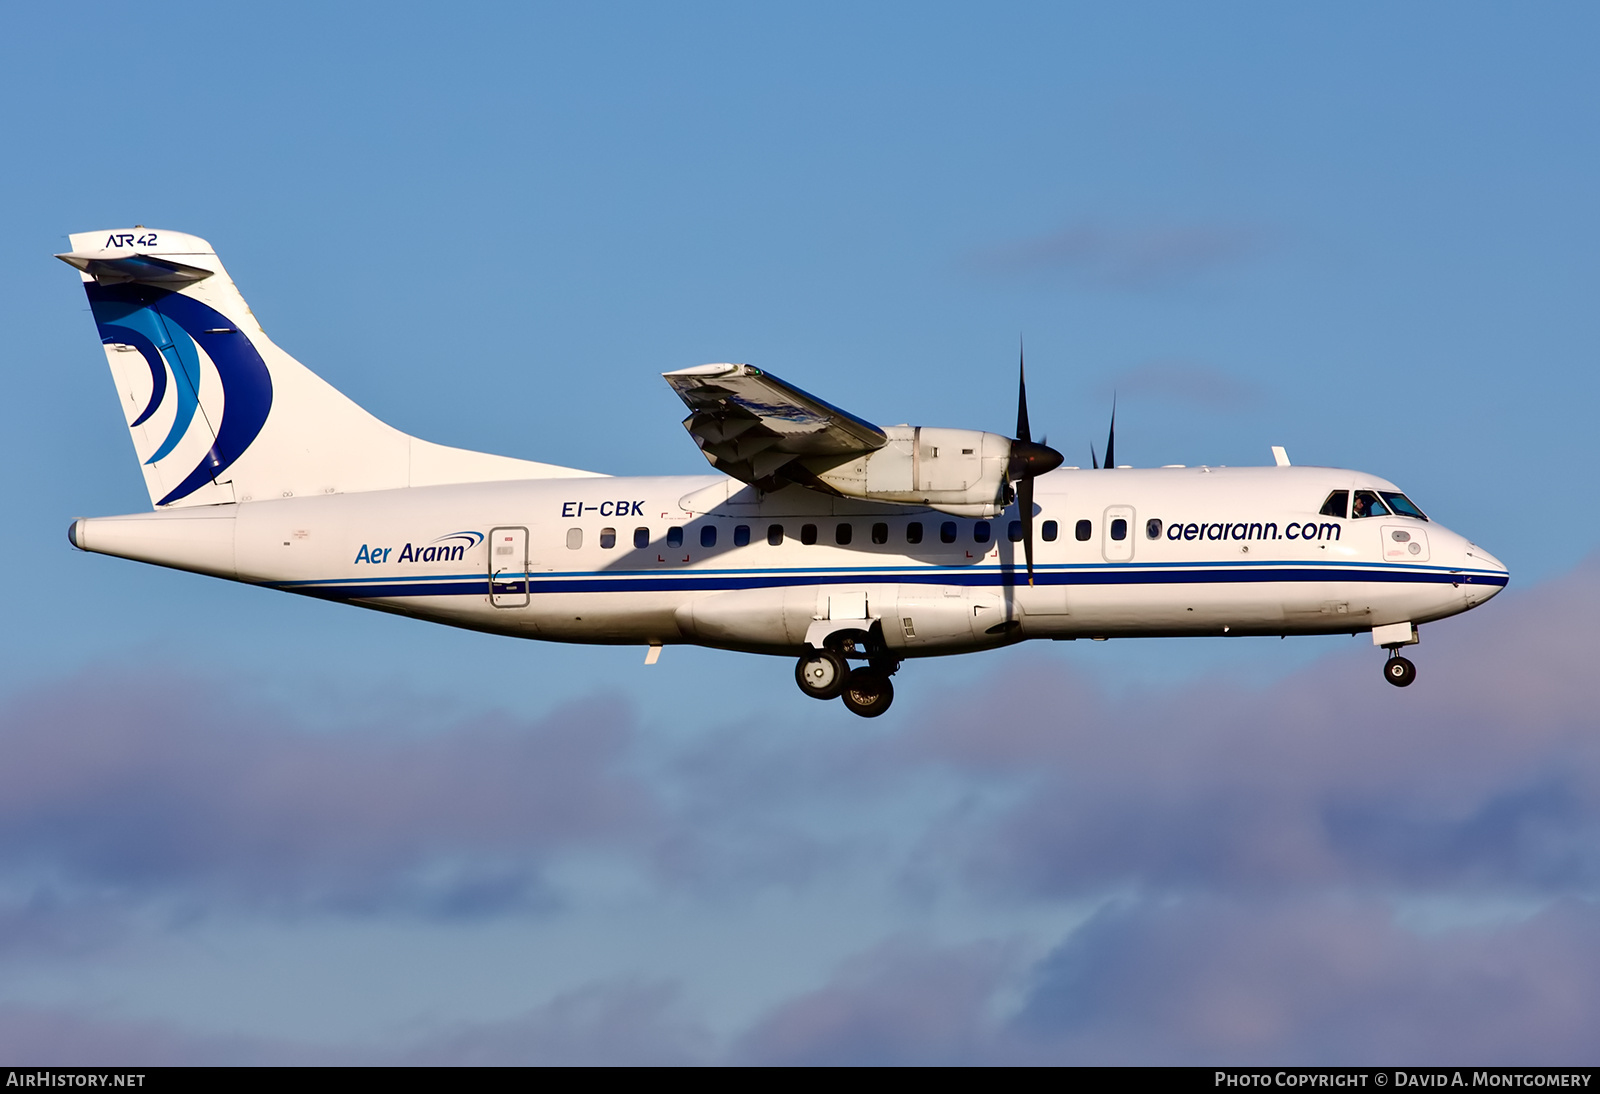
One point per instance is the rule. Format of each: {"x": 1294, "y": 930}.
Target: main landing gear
{"x": 868, "y": 692}
{"x": 826, "y": 674}
{"x": 821, "y": 674}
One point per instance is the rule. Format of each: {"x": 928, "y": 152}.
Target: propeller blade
{"x": 1023, "y": 432}
{"x": 1028, "y": 459}
{"x": 1093, "y": 460}
{"x": 1111, "y": 438}
{"x": 1025, "y": 510}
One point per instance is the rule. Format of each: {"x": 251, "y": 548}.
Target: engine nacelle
{"x": 956, "y": 471}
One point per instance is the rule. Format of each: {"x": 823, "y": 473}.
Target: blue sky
{"x": 239, "y": 826}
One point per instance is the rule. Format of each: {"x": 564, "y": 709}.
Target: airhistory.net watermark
{"x": 36, "y": 1077}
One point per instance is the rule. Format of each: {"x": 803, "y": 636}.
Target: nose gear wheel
{"x": 1399, "y": 671}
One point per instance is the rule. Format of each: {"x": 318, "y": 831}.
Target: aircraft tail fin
{"x": 218, "y": 413}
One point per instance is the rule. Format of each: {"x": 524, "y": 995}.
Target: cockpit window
{"x": 1368, "y": 505}
{"x": 1401, "y": 504}
{"x": 1337, "y": 505}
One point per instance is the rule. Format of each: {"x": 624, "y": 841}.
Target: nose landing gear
{"x": 1391, "y": 636}
{"x": 826, "y": 674}
{"x": 1398, "y": 670}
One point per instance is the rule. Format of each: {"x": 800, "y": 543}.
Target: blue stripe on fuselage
{"x": 973, "y": 577}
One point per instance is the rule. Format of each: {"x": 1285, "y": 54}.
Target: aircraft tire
{"x": 868, "y": 693}
{"x": 822, "y": 674}
{"x": 1399, "y": 672}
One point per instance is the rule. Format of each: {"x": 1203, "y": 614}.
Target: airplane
{"x": 818, "y": 535}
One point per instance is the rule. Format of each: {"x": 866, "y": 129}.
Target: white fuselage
{"x": 1236, "y": 551}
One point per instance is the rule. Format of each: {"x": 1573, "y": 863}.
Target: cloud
{"x": 1139, "y": 260}
{"x": 1258, "y": 853}
{"x": 624, "y": 1022}
{"x": 1200, "y": 980}
{"x": 46, "y": 922}
{"x": 904, "y": 1002}
{"x": 1484, "y": 777}
{"x": 59, "y": 1037}
{"x": 1214, "y": 981}
{"x": 618, "y": 1023}
{"x": 112, "y": 784}
{"x": 1315, "y": 983}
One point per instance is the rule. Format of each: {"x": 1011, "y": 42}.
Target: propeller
{"x": 1111, "y": 438}
{"x": 1028, "y": 459}
{"x": 1111, "y": 441}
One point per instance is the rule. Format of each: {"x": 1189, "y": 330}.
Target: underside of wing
{"x": 758, "y": 429}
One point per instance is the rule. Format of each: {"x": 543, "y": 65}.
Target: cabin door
{"x": 1117, "y": 544}
{"x": 508, "y": 567}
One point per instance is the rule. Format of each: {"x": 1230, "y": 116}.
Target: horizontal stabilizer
{"x": 110, "y": 268}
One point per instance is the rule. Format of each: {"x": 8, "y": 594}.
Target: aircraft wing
{"x": 750, "y": 424}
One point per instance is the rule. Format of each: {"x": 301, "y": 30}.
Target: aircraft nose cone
{"x": 1478, "y": 556}
{"x": 1029, "y": 459}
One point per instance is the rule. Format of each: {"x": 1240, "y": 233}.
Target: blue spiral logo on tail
{"x": 165, "y": 328}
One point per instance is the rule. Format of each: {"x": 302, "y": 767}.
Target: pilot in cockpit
{"x": 1368, "y": 505}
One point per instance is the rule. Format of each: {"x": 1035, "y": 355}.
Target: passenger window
{"x": 1368, "y": 505}
{"x": 880, "y": 533}
{"x": 1152, "y": 529}
{"x": 1401, "y": 504}
{"x": 947, "y": 531}
{"x": 980, "y": 531}
{"x": 842, "y": 534}
{"x": 641, "y": 537}
{"x": 1014, "y": 531}
{"x": 674, "y": 537}
{"x": 1337, "y": 505}
{"x": 574, "y": 538}
{"x": 914, "y": 532}
{"x": 1047, "y": 532}
{"x": 1083, "y": 531}
{"x": 741, "y": 536}
{"x": 708, "y": 535}
{"x": 808, "y": 534}
{"x": 608, "y": 538}
{"x": 1119, "y": 529}
{"x": 775, "y": 534}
